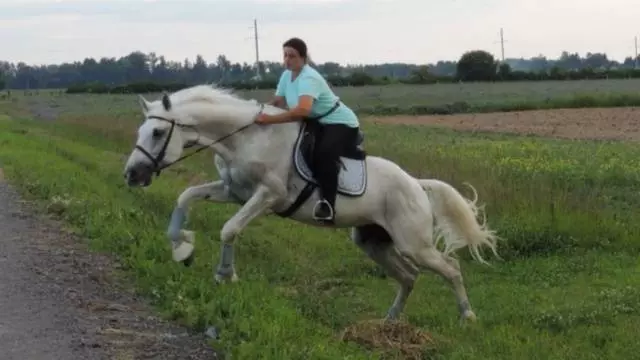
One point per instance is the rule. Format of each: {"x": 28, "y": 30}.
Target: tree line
{"x": 138, "y": 71}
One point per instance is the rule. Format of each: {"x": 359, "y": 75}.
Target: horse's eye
{"x": 157, "y": 133}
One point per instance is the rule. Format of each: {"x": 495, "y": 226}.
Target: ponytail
{"x": 309, "y": 61}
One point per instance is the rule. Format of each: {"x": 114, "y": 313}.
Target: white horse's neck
{"x": 206, "y": 106}
{"x": 220, "y": 115}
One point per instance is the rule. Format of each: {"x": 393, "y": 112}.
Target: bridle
{"x": 157, "y": 160}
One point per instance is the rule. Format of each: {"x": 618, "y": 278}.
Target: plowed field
{"x": 608, "y": 123}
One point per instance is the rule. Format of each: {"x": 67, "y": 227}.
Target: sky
{"x": 344, "y": 31}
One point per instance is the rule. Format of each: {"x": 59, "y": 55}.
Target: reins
{"x": 158, "y": 159}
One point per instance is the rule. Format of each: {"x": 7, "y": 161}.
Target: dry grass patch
{"x": 393, "y": 338}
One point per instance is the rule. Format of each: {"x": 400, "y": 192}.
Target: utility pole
{"x": 502, "y": 43}
{"x": 635, "y": 59}
{"x": 255, "y": 37}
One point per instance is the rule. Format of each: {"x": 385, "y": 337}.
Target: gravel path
{"x": 60, "y": 302}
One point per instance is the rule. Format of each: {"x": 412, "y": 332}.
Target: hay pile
{"x": 391, "y": 337}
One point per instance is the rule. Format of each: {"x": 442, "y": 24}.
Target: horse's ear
{"x": 166, "y": 103}
{"x": 143, "y": 103}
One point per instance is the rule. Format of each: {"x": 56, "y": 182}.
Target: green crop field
{"x": 473, "y": 93}
{"x": 567, "y": 288}
{"x": 470, "y": 97}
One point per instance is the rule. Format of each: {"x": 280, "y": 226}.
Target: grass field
{"x": 481, "y": 97}
{"x": 473, "y": 93}
{"x": 568, "y": 287}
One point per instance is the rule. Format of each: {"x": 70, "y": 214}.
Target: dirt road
{"x": 60, "y": 302}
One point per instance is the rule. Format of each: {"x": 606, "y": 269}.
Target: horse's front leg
{"x": 263, "y": 199}
{"x": 182, "y": 241}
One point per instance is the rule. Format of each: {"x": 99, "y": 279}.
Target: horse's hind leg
{"x": 449, "y": 269}
{"x": 416, "y": 243}
{"x": 377, "y": 244}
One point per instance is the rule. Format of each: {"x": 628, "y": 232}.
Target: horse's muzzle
{"x": 138, "y": 177}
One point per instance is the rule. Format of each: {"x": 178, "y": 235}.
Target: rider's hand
{"x": 262, "y": 118}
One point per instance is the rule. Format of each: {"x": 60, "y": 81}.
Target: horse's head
{"x": 169, "y": 128}
{"x": 161, "y": 140}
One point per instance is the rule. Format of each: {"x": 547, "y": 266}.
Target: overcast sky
{"x": 346, "y": 31}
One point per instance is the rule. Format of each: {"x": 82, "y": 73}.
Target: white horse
{"x": 395, "y": 218}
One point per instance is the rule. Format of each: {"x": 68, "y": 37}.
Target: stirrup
{"x": 315, "y": 210}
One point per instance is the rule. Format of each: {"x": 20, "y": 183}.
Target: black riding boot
{"x": 332, "y": 141}
{"x": 324, "y": 209}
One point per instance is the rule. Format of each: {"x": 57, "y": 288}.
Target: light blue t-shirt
{"x": 310, "y": 82}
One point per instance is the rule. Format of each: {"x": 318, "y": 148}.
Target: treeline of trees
{"x": 480, "y": 65}
{"x": 140, "y": 72}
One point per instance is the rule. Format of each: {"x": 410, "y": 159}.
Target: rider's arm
{"x": 303, "y": 109}
{"x": 278, "y": 101}
{"x": 278, "y": 98}
{"x": 308, "y": 90}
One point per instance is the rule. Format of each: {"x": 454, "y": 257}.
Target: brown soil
{"x": 595, "y": 123}
{"x": 60, "y": 301}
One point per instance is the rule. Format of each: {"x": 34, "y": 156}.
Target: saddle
{"x": 352, "y": 176}
{"x": 308, "y": 136}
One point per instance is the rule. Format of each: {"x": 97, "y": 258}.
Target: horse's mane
{"x": 207, "y": 93}
{"x": 201, "y": 98}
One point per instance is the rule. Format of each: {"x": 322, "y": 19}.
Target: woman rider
{"x": 305, "y": 93}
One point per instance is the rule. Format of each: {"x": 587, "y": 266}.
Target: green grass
{"x": 483, "y": 97}
{"x": 477, "y": 95}
{"x": 568, "y": 288}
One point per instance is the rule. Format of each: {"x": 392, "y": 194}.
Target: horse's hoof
{"x": 392, "y": 316}
{"x": 468, "y": 317}
{"x": 183, "y": 252}
{"x": 220, "y": 278}
{"x": 389, "y": 320}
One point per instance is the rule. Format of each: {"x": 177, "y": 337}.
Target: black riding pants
{"x": 333, "y": 140}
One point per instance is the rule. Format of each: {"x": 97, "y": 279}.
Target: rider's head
{"x": 295, "y": 54}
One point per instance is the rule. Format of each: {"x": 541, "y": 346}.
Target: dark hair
{"x": 297, "y": 44}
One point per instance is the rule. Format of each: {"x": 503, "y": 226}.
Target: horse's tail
{"x": 456, "y": 219}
